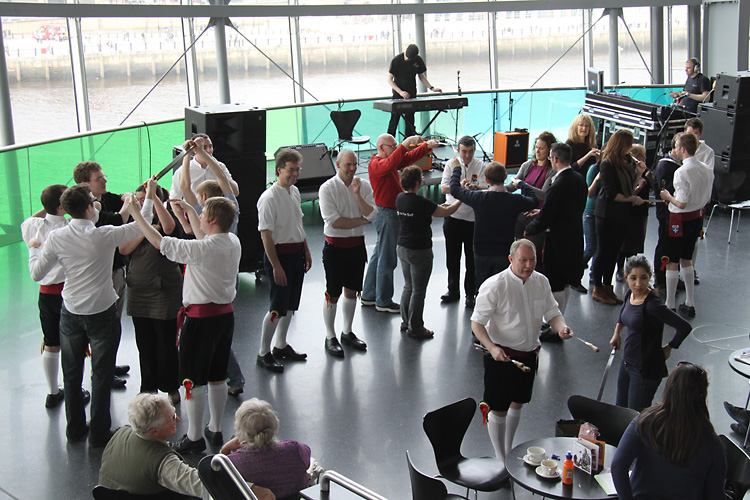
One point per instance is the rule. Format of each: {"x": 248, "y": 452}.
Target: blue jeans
{"x": 379, "y": 277}
{"x": 417, "y": 267}
{"x": 633, "y": 389}
{"x": 589, "y": 234}
{"x": 102, "y": 332}
{"x": 235, "y": 378}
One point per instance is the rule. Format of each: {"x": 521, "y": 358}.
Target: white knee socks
{"x": 217, "y": 399}
{"x": 329, "y": 318}
{"x": 673, "y": 276}
{"x": 51, "y": 366}
{"x": 348, "y": 306}
{"x": 195, "y": 406}
{"x": 282, "y": 329}
{"x": 266, "y": 335}
{"x": 688, "y": 276}
{"x": 511, "y": 424}
{"x": 496, "y": 429}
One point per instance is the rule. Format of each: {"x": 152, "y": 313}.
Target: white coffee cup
{"x": 549, "y": 467}
{"x": 535, "y": 453}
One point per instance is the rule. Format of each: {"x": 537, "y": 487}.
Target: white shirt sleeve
{"x": 176, "y": 475}
{"x": 175, "y": 191}
{"x": 369, "y": 196}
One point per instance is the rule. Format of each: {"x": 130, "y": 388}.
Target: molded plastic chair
{"x": 611, "y": 420}
{"x": 103, "y": 493}
{"x": 738, "y": 469}
{"x": 445, "y": 428}
{"x": 424, "y": 487}
{"x": 345, "y": 121}
{"x": 222, "y": 480}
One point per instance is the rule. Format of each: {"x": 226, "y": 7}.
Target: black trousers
{"x": 459, "y": 233}
{"x": 609, "y": 238}
{"x": 157, "y": 353}
{"x": 661, "y": 250}
{"x": 409, "y": 129}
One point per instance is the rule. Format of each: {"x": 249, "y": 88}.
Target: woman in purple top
{"x": 280, "y": 466}
{"x": 644, "y": 358}
{"x": 676, "y": 451}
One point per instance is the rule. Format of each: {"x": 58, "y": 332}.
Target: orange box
{"x": 511, "y": 148}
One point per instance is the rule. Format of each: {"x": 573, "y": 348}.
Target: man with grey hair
{"x": 139, "y": 460}
{"x": 510, "y": 308}
{"x": 346, "y": 205}
{"x": 386, "y": 185}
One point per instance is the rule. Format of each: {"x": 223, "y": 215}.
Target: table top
{"x": 738, "y": 366}
{"x": 584, "y": 486}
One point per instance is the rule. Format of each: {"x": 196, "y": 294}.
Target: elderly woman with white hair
{"x": 260, "y": 458}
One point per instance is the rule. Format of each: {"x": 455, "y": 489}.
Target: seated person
{"x": 139, "y": 460}
{"x": 280, "y": 466}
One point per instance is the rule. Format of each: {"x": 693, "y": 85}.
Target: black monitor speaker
{"x": 317, "y": 165}
{"x": 594, "y": 80}
{"x": 233, "y": 128}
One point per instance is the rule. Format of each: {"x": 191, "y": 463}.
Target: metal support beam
{"x": 222, "y": 65}
{"x": 191, "y": 63}
{"x": 492, "y": 32}
{"x": 669, "y": 44}
{"x": 78, "y": 66}
{"x": 694, "y": 31}
{"x": 588, "y": 41}
{"x": 396, "y": 31}
{"x": 294, "y": 41}
{"x": 657, "y": 44}
{"x": 421, "y": 43}
{"x": 7, "y": 137}
{"x": 614, "y": 46}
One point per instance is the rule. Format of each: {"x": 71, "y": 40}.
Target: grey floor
{"x": 360, "y": 415}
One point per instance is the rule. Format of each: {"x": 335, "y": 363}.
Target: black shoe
{"x": 288, "y": 353}
{"x": 54, "y": 399}
{"x": 121, "y": 370}
{"x": 352, "y": 341}
{"x": 389, "y": 308}
{"x": 470, "y": 302}
{"x": 86, "y": 396}
{"x": 235, "y": 392}
{"x": 185, "y": 446}
{"x": 687, "y": 310}
{"x": 741, "y": 415}
{"x": 696, "y": 280}
{"x": 450, "y": 297}
{"x": 739, "y": 429}
{"x": 269, "y": 363}
{"x": 579, "y": 288}
{"x": 213, "y": 438}
{"x": 119, "y": 383}
{"x": 80, "y": 436}
{"x": 102, "y": 441}
{"x": 334, "y": 348}
{"x": 403, "y": 327}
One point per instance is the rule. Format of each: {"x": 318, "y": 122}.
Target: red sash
{"x": 676, "y": 220}
{"x": 287, "y": 248}
{"x": 349, "y": 242}
{"x": 512, "y": 353}
{"x": 55, "y": 289}
{"x": 200, "y": 311}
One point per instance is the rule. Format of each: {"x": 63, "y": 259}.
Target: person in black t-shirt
{"x": 402, "y": 79}
{"x": 414, "y": 248}
{"x": 697, "y": 87}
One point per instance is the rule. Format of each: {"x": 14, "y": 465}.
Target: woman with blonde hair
{"x": 261, "y": 459}
{"x": 582, "y": 140}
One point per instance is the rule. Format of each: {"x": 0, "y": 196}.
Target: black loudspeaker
{"x": 732, "y": 91}
{"x": 249, "y": 171}
{"x": 317, "y": 165}
{"x": 725, "y": 131}
{"x": 233, "y": 128}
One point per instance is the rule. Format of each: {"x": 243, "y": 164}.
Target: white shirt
{"x": 475, "y": 173}
{"x": 198, "y": 174}
{"x": 37, "y": 227}
{"x": 279, "y": 211}
{"x": 212, "y": 266}
{"x": 705, "y": 154}
{"x": 85, "y": 253}
{"x": 692, "y": 185}
{"x": 337, "y": 200}
{"x": 512, "y": 311}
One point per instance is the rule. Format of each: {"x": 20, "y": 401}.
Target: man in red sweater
{"x": 384, "y": 178}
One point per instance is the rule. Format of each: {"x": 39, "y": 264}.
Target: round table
{"x": 584, "y": 486}
{"x": 744, "y": 370}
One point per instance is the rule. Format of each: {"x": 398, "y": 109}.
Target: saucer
{"x": 551, "y": 476}
{"x": 529, "y": 461}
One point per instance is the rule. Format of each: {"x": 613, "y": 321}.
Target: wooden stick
{"x": 589, "y": 344}
{"x": 518, "y": 364}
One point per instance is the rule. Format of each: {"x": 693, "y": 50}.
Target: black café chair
{"x": 424, "y": 487}
{"x": 221, "y": 479}
{"x": 738, "y": 469}
{"x": 345, "y": 121}
{"x": 446, "y": 428}
{"x": 611, "y": 420}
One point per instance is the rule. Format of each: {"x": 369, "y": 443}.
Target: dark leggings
{"x": 609, "y": 238}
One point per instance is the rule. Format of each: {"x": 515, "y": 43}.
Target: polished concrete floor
{"x": 360, "y": 415}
